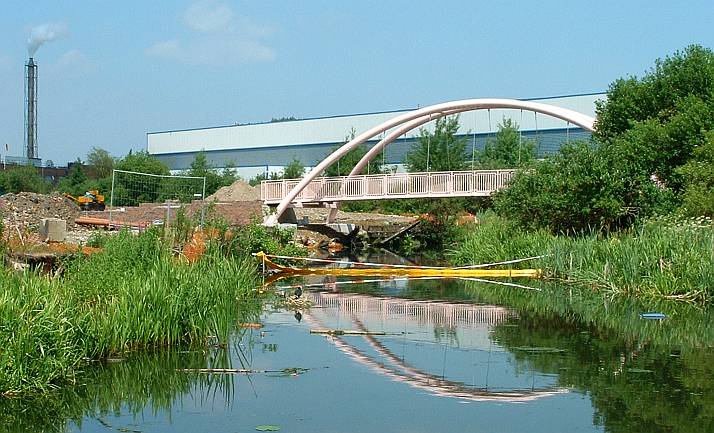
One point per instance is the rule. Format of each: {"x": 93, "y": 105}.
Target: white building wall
{"x": 335, "y": 129}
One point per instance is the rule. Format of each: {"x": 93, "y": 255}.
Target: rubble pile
{"x": 25, "y": 210}
{"x": 240, "y": 190}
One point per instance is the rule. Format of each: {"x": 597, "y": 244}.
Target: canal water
{"x": 429, "y": 356}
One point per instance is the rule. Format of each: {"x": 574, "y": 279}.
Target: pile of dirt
{"x": 25, "y": 210}
{"x": 239, "y": 191}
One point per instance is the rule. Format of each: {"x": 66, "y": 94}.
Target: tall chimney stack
{"x": 31, "y": 109}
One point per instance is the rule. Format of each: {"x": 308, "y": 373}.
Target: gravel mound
{"x": 239, "y": 191}
{"x": 26, "y": 209}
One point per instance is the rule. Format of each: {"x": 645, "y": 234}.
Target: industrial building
{"x": 267, "y": 147}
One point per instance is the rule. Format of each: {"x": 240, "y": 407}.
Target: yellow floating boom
{"x": 415, "y": 271}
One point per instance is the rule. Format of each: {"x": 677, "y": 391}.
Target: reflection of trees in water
{"x": 635, "y": 386}
{"x": 142, "y": 382}
{"x": 642, "y": 375}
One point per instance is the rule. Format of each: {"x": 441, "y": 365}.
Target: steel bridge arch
{"x": 416, "y": 118}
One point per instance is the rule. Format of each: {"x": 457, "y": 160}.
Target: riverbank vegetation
{"x": 649, "y": 156}
{"x": 629, "y": 212}
{"x": 665, "y": 258}
{"x": 134, "y": 295}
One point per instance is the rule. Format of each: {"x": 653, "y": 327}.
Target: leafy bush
{"x": 646, "y": 130}
{"x": 264, "y": 176}
{"x": 653, "y": 124}
{"x": 579, "y": 190}
{"x": 440, "y": 150}
{"x": 142, "y": 162}
{"x": 658, "y": 94}
{"x": 507, "y": 149}
{"x": 200, "y": 167}
{"x": 255, "y": 237}
{"x": 77, "y": 182}
{"x": 698, "y": 176}
{"x": 294, "y": 170}
{"x": 22, "y": 178}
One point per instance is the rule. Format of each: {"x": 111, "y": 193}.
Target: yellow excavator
{"x": 91, "y": 200}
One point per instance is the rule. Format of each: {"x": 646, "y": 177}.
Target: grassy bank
{"x": 134, "y": 295}
{"x": 660, "y": 259}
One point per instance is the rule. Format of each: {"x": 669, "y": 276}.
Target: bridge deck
{"x": 477, "y": 183}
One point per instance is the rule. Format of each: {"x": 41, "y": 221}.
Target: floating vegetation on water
{"x": 267, "y": 428}
{"x": 293, "y": 303}
{"x": 638, "y": 370}
{"x": 121, "y": 429}
{"x": 290, "y": 371}
{"x": 252, "y": 325}
{"x": 539, "y": 349}
{"x": 347, "y": 332}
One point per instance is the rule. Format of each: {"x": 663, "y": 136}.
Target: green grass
{"x": 133, "y": 296}
{"x": 659, "y": 259}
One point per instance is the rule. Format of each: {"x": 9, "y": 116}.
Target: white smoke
{"x": 45, "y": 33}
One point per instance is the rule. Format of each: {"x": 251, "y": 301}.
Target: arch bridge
{"x": 315, "y": 190}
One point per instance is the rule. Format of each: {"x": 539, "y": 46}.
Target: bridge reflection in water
{"x": 439, "y": 347}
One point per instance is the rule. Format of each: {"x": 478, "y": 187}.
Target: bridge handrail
{"x": 391, "y": 185}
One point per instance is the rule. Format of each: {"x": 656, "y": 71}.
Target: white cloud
{"x": 217, "y": 37}
{"x": 209, "y": 16}
{"x": 73, "y": 63}
{"x": 73, "y": 59}
{"x": 246, "y": 26}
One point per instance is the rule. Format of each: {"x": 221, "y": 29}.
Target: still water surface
{"x": 451, "y": 359}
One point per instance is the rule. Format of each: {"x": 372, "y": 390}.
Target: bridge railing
{"x": 385, "y": 186}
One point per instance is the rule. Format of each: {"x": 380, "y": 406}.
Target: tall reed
{"x": 659, "y": 259}
{"x": 134, "y": 295}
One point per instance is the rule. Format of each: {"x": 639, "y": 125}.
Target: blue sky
{"x": 119, "y": 69}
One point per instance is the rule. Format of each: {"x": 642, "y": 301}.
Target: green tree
{"x": 440, "y": 151}
{"x": 200, "y": 167}
{"x": 658, "y": 93}
{"x": 579, "y": 189}
{"x": 283, "y": 119}
{"x": 101, "y": 161}
{"x": 293, "y": 170}
{"x": 127, "y": 192}
{"x": 229, "y": 174}
{"x": 76, "y": 182}
{"x": 76, "y": 173}
{"x": 698, "y": 175}
{"x": 142, "y": 162}
{"x": 653, "y": 124}
{"x": 647, "y": 130}
{"x": 22, "y": 178}
{"x": 507, "y": 149}
{"x": 264, "y": 176}
{"x": 344, "y": 165}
